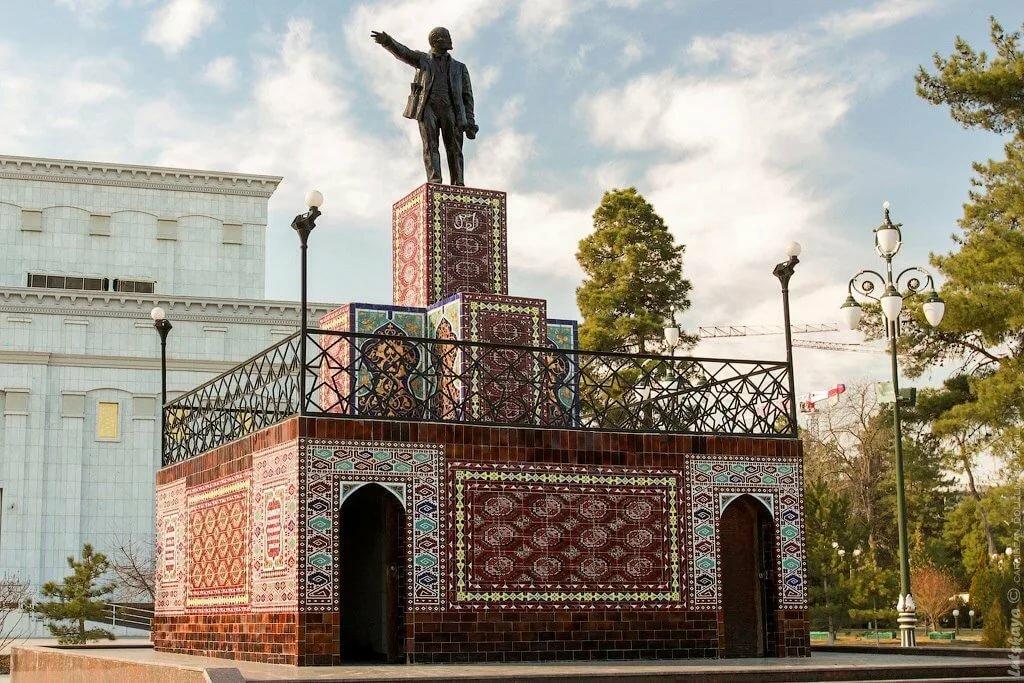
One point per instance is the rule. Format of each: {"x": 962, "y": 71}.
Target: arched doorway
{"x": 371, "y": 574}
{"x": 748, "y": 585}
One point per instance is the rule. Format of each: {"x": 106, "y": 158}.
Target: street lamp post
{"x": 888, "y": 239}
{"x": 784, "y": 271}
{"x": 303, "y": 225}
{"x": 163, "y": 327}
{"x": 970, "y": 614}
{"x": 956, "y": 623}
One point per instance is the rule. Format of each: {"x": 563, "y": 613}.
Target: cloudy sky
{"x": 746, "y": 124}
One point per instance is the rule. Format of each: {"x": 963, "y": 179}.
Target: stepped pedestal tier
{"x": 447, "y": 240}
{"x": 450, "y": 282}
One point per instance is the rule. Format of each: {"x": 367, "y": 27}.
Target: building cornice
{"x": 33, "y": 300}
{"x": 145, "y": 177}
{"x": 87, "y": 360}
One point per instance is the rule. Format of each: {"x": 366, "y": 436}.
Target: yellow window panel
{"x": 108, "y": 421}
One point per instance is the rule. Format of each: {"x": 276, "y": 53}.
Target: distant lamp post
{"x": 956, "y": 622}
{"x": 163, "y": 327}
{"x": 303, "y": 225}
{"x": 784, "y": 271}
{"x": 888, "y": 239}
{"x": 970, "y": 613}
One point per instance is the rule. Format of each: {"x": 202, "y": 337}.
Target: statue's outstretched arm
{"x": 411, "y": 57}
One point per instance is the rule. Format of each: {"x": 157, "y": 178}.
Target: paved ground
{"x": 828, "y": 660}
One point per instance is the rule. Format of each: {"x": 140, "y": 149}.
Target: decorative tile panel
{"x": 447, "y": 240}
{"x": 219, "y": 531}
{"x": 386, "y": 383}
{"x": 545, "y": 536}
{"x": 275, "y": 529}
{"x": 327, "y": 468}
{"x": 712, "y": 483}
{"x": 170, "y": 569}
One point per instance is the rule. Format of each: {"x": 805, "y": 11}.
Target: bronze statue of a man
{"x": 441, "y": 100}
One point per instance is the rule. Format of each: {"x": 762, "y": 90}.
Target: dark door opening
{"x": 748, "y": 584}
{"x": 371, "y": 567}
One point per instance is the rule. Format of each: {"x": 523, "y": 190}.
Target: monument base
{"x": 509, "y": 544}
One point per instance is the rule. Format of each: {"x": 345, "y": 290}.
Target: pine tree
{"x": 77, "y": 599}
{"x": 634, "y": 275}
{"x": 984, "y": 322}
{"x": 994, "y": 632}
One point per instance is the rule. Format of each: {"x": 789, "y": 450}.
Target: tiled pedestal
{"x": 448, "y": 240}
{"x": 604, "y": 565}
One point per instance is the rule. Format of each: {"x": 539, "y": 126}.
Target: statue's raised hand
{"x": 380, "y": 37}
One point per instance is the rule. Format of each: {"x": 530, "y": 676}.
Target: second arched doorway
{"x": 747, "y": 554}
{"x": 372, "y": 627}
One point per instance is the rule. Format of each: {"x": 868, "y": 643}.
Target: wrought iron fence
{"x": 392, "y": 376}
{"x": 252, "y": 395}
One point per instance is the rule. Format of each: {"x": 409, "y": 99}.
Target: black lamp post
{"x": 303, "y": 224}
{"x": 784, "y": 271}
{"x": 163, "y": 327}
{"x": 888, "y": 239}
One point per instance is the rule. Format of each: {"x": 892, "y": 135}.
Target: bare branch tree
{"x": 13, "y": 594}
{"x": 133, "y": 562}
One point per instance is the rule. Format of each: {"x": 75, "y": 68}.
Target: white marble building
{"x": 86, "y": 251}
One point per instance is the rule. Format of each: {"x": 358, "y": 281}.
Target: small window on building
{"x": 72, "y": 405}
{"x": 167, "y": 229}
{"x": 143, "y": 407}
{"x": 108, "y": 421}
{"x": 99, "y": 224}
{"x": 233, "y": 234}
{"x": 88, "y": 284}
{"x": 31, "y": 221}
{"x": 16, "y": 402}
{"x": 134, "y": 286}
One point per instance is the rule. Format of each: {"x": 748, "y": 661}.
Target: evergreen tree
{"x": 633, "y": 275}
{"x": 77, "y": 599}
{"x": 984, "y": 279}
{"x": 994, "y": 632}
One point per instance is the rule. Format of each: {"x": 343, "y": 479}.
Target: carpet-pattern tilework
{"x": 551, "y": 536}
{"x": 219, "y": 535}
{"x": 712, "y": 483}
{"x": 275, "y": 529}
{"x": 327, "y": 468}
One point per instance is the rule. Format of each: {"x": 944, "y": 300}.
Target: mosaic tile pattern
{"x": 219, "y": 532}
{"x": 275, "y": 529}
{"x": 447, "y": 240}
{"x": 329, "y": 467}
{"x": 543, "y": 536}
{"x": 409, "y": 249}
{"x": 171, "y": 543}
{"x": 502, "y": 390}
{"x": 559, "y": 389}
{"x": 712, "y": 482}
{"x": 384, "y": 385}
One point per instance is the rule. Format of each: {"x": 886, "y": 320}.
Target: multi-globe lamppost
{"x": 908, "y": 282}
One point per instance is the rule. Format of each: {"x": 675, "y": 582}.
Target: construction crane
{"x": 732, "y": 331}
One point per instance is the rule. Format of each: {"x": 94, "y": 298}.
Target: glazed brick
{"x": 493, "y": 634}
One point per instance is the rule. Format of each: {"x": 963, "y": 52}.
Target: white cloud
{"x": 879, "y": 16}
{"x": 732, "y": 141}
{"x": 633, "y": 50}
{"x": 222, "y": 72}
{"x": 176, "y": 23}
{"x": 544, "y": 17}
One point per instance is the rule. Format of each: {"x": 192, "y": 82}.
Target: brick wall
{"x": 477, "y": 634}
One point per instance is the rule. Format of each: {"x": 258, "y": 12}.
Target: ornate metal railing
{"x": 390, "y": 376}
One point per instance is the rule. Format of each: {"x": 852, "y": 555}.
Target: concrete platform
{"x": 99, "y": 664}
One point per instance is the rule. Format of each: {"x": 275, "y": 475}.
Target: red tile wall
{"x": 481, "y": 635}
{"x": 271, "y": 638}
